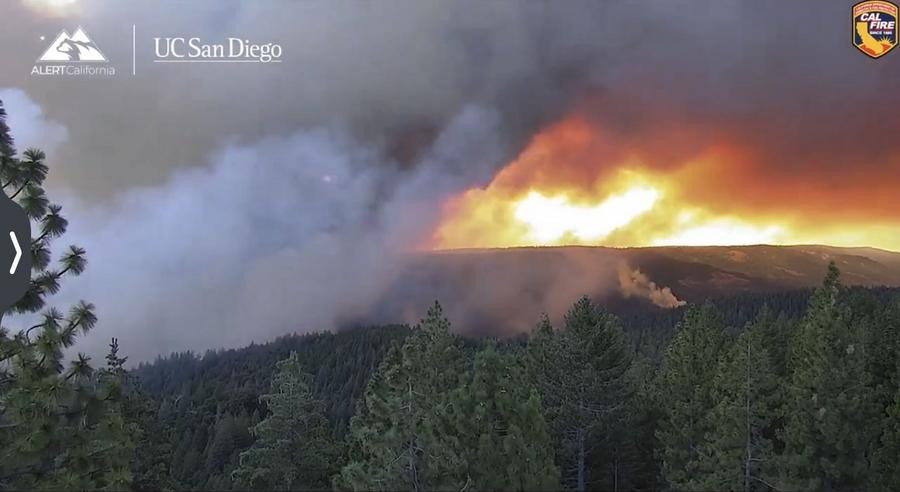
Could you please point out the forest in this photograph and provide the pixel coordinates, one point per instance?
(796, 398)
(777, 391)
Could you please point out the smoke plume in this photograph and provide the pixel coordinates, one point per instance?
(221, 204)
(299, 233)
(637, 284)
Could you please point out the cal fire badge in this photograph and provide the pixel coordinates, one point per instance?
(874, 27)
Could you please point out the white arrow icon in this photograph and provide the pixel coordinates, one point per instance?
(15, 263)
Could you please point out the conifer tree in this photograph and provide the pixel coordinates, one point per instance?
(293, 448)
(686, 392)
(401, 437)
(118, 432)
(882, 347)
(581, 374)
(738, 452)
(60, 427)
(153, 445)
(775, 332)
(829, 427)
(629, 463)
(887, 465)
(230, 434)
(502, 433)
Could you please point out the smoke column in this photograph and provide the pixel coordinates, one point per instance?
(637, 284)
(290, 234)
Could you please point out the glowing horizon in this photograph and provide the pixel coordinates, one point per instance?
(562, 190)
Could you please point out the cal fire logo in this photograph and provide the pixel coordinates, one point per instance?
(874, 27)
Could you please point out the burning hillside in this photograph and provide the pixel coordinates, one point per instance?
(586, 180)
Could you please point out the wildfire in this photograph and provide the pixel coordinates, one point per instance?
(573, 185)
(550, 219)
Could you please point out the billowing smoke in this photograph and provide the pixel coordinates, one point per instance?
(637, 284)
(394, 74)
(312, 231)
(226, 203)
(299, 233)
(29, 123)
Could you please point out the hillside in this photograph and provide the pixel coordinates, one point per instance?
(698, 270)
(503, 291)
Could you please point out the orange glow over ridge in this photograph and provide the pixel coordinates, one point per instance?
(575, 183)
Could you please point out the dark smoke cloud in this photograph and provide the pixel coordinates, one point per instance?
(395, 72)
(222, 204)
(392, 73)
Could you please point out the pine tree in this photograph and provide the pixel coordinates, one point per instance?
(685, 389)
(630, 462)
(828, 431)
(502, 433)
(293, 448)
(230, 434)
(400, 438)
(59, 427)
(738, 452)
(775, 332)
(153, 445)
(116, 432)
(581, 374)
(887, 466)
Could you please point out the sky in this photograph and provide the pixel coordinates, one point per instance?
(221, 204)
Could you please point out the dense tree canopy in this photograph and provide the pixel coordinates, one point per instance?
(293, 447)
(722, 407)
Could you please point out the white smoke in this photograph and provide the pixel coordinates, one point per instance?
(637, 284)
(30, 126)
(290, 234)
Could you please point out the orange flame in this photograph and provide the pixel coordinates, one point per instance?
(574, 184)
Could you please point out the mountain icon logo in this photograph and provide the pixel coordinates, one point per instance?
(75, 48)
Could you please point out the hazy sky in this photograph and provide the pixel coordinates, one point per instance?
(225, 203)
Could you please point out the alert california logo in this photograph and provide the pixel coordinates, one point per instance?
(874, 27)
(73, 55)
